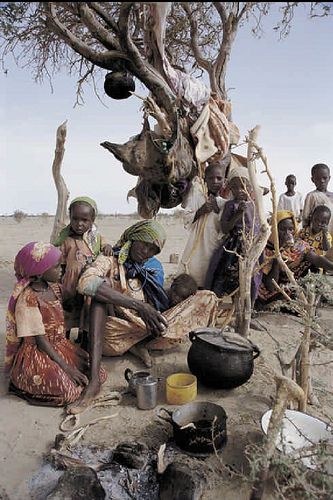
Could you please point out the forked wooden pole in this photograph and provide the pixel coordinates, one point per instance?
(63, 193)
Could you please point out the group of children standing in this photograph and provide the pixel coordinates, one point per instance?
(315, 214)
(218, 227)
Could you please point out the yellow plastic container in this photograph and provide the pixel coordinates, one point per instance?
(181, 388)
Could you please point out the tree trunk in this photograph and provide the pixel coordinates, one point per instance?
(63, 193)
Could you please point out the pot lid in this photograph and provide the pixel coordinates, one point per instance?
(225, 340)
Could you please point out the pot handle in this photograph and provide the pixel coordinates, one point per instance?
(128, 374)
(208, 329)
(255, 349)
(192, 336)
(166, 419)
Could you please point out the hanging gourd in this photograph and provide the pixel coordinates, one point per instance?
(119, 84)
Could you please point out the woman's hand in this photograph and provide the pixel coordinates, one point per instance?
(78, 377)
(44, 345)
(155, 322)
(107, 250)
(326, 245)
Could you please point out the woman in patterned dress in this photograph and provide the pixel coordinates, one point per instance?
(297, 254)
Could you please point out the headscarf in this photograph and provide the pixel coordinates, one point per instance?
(286, 214)
(293, 256)
(280, 216)
(149, 231)
(239, 171)
(33, 259)
(91, 237)
(85, 199)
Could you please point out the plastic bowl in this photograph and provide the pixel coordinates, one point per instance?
(181, 388)
(299, 431)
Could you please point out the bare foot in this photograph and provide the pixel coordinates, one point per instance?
(85, 400)
(143, 354)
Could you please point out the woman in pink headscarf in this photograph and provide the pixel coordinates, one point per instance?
(43, 366)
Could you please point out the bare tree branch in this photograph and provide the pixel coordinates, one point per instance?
(142, 69)
(96, 29)
(109, 20)
(101, 59)
(219, 6)
(202, 62)
(230, 24)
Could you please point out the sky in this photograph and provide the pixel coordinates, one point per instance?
(285, 86)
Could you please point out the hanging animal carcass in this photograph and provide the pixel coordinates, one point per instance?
(164, 167)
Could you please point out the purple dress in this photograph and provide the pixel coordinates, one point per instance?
(223, 271)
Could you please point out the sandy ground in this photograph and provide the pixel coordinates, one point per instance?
(28, 432)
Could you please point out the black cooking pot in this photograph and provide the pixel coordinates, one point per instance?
(220, 359)
(198, 428)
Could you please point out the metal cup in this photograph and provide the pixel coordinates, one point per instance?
(146, 393)
(132, 378)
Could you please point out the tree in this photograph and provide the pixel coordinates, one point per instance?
(167, 46)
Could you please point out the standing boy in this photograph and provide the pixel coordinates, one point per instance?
(202, 218)
(320, 176)
(291, 200)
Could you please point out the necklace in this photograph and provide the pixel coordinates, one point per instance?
(134, 289)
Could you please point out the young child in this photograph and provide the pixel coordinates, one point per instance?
(182, 287)
(291, 200)
(80, 243)
(43, 366)
(202, 218)
(316, 234)
(237, 218)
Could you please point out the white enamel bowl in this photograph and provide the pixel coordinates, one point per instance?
(298, 433)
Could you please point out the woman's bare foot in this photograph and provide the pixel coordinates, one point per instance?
(142, 353)
(86, 398)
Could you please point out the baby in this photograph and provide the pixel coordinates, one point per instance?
(181, 288)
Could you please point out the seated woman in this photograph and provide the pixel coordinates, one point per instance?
(43, 366)
(297, 254)
(127, 281)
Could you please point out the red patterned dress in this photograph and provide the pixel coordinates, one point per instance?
(34, 375)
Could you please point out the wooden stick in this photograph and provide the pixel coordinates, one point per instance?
(286, 389)
(246, 265)
(305, 349)
(285, 295)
